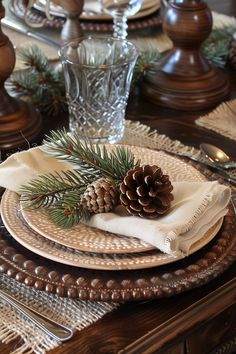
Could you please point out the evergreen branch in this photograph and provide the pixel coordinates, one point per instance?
(146, 60)
(90, 158)
(40, 82)
(68, 211)
(46, 190)
(34, 58)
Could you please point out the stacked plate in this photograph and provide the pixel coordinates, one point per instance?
(93, 11)
(87, 247)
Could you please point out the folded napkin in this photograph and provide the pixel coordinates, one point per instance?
(197, 206)
(22, 167)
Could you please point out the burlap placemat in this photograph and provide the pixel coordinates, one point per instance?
(222, 120)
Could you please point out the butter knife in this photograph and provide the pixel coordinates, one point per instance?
(48, 326)
(21, 28)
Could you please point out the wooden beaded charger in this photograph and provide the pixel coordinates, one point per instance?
(18, 7)
(121, 286)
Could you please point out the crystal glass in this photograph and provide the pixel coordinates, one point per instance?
(98, 73)
(120, 10)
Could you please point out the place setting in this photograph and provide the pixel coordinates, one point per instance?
(102, 211)
(106, 213)
(96, 15)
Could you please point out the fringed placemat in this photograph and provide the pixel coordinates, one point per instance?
(222, 120)
(75, 314)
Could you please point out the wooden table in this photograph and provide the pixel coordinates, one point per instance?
(195, 322)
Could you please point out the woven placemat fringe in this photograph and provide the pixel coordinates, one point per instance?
(222, 120)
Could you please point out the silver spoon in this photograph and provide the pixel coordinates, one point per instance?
(217, 156)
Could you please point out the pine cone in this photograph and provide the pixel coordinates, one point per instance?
(232, 54)
(100, 196)
(146, 192)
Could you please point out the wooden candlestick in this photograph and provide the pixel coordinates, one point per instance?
(184, 79)
(72, 29)
(19, 121)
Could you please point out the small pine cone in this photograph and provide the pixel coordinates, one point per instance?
(232, 54)
(146, 192)
(100, 196)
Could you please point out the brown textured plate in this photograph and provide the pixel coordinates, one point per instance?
(97, 285)
(56, 252)
(18, 7)
(148, 7)
(84, 238)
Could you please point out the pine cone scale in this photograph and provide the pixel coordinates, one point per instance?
(135, 206)
(131, 195)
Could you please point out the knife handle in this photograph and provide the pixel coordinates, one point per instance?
(48, 326)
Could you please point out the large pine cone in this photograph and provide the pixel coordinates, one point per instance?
(232, 54)
(146, 192)
(100, 196)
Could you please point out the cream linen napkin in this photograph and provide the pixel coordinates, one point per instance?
(197, 206)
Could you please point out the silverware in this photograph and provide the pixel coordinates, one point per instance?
(51, 328)
(21, 28)
(220, 171)
(217, 156)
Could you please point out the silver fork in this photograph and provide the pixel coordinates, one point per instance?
(48, 326)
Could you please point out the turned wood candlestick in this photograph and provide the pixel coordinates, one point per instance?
(19, 121)
(184, 79)
(72, 29)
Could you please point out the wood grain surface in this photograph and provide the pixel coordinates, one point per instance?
(210, 310)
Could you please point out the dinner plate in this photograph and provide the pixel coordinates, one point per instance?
(84, 238)
(148, 7)
(99, 261)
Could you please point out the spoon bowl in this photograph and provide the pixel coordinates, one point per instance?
(217, 156)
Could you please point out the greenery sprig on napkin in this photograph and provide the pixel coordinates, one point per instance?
(101, 179)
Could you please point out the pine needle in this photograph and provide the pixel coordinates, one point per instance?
(90, 159)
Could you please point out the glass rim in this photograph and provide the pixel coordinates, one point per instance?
(91, 66)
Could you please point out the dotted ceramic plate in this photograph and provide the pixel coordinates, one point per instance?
(84, 238)
(100, 261)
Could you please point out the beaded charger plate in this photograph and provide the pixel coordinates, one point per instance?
(84, 238)
(18, 7)
(124, 285)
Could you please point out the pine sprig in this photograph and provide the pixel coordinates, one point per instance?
(62, 193)
(48, 189)
(146, 60)
(216, 46)
(40, 82)
(68, 212)
(90, 158)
